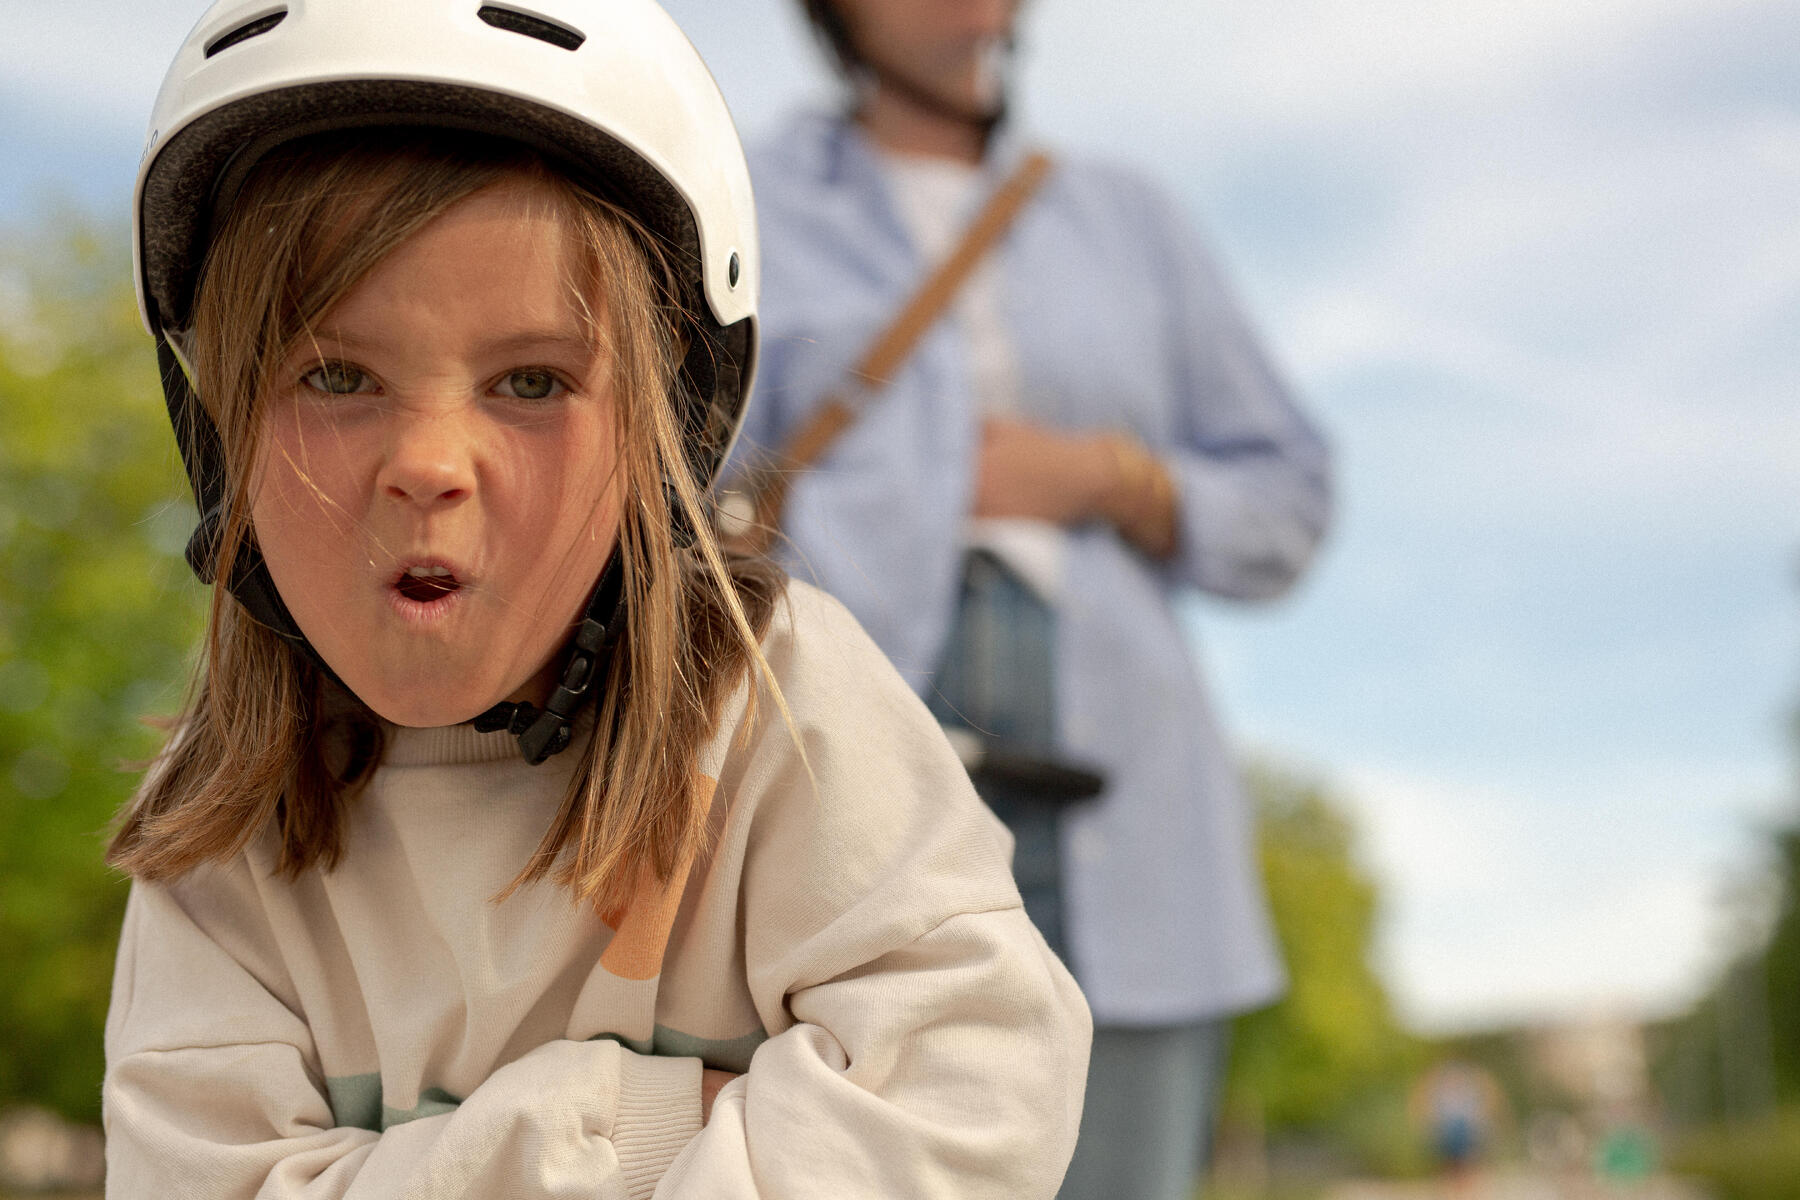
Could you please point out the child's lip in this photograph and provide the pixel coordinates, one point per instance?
(432, 562)
(428, 580)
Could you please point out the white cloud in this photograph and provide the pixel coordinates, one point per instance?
(92, 60)
(1639, 948)
(1290, 65)
(1435, 843)
(1499, 907)
(1619, 301)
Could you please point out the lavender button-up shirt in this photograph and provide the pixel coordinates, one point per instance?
(1120, 322)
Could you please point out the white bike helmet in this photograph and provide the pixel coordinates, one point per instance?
(610, 91)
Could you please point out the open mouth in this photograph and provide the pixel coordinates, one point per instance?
(424, 585)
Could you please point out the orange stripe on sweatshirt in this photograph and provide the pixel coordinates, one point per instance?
(641, 933)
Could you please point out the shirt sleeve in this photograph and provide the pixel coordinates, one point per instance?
(925, 1041)
(1252, 474)
(213, 1087)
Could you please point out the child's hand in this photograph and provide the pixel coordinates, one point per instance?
(710, 1083)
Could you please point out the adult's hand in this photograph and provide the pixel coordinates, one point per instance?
(1029, 470)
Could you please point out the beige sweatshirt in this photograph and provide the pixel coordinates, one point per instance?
(385, 1029)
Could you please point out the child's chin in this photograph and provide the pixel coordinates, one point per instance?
(416, 717)
(423, 705)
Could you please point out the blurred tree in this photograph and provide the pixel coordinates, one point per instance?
(97, 616)
(1734, 1057)
(1332, 1042)
(1782, 968)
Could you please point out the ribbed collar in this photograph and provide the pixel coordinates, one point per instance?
(447, 745)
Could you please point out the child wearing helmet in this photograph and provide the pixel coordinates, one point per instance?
(515, 839)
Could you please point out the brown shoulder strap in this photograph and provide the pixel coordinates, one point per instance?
(766, 490)
(885, 354)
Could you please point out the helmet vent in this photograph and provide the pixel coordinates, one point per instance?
(245, 32)
(533, 27)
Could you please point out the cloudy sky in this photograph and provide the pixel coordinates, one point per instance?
(1536, 266)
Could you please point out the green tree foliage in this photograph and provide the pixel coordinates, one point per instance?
(1781, 969)
(1728, 1070)
(97, 618)
(1332, 1043)
(1753, 1160)
(1734, 1057)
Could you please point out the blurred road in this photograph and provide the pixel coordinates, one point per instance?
(1519, 1184)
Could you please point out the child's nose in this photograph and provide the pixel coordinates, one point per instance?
(430, 459)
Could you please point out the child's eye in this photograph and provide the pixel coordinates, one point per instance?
(336, 379)
(532, 383)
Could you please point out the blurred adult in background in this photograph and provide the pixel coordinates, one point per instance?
(1090, 428)
(1457, 1106)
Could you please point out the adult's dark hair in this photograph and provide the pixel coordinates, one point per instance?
(833, 29)
(828, 22)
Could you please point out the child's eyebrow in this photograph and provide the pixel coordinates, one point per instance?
(538, 340)
(513, 342)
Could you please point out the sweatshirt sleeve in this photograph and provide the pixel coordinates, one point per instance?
(924, 1040)
(213, 1087)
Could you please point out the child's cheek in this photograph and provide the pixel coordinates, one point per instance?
(306, 493)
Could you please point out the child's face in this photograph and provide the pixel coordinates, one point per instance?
(438, 492)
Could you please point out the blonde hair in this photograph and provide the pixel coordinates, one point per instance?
(268, 736)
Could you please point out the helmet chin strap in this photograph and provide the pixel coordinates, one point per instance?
(547, 731)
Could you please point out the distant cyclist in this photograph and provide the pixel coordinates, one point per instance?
(1458, 1105)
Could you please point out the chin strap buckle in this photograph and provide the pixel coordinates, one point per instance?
(545, 732)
